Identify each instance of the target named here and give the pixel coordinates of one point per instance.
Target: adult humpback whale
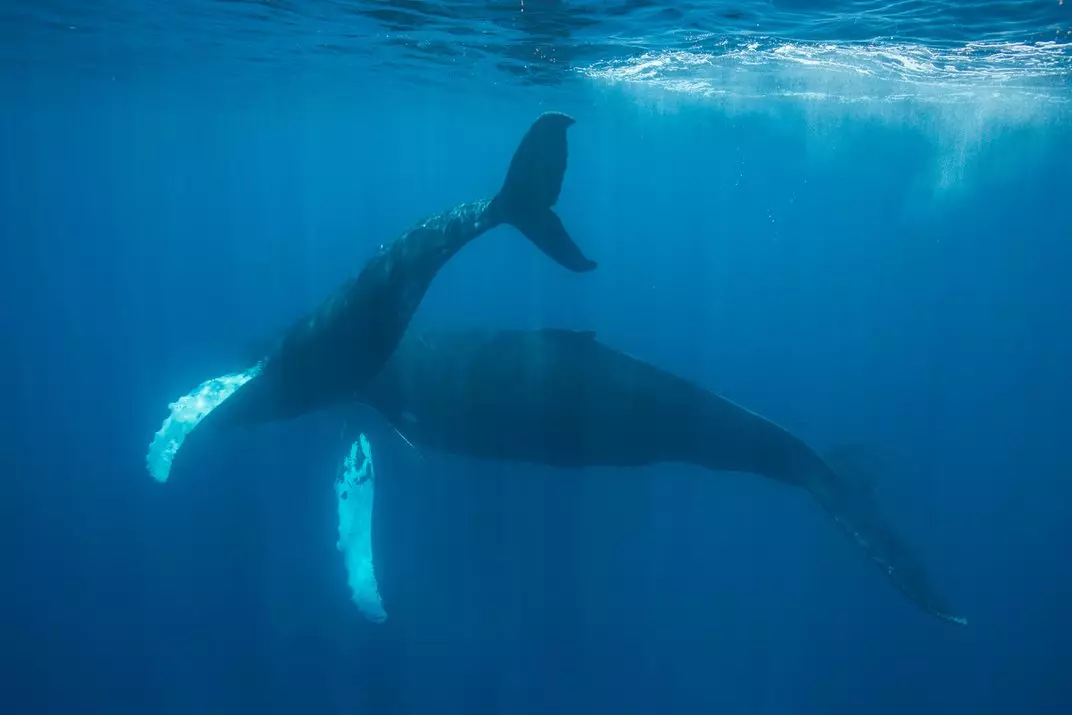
(327, 356)
(562, 398)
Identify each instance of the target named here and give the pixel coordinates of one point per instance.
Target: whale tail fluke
(533, 183)
(854, 507)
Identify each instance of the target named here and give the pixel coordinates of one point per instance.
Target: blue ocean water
(851, 217)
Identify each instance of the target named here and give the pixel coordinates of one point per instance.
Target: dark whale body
(325, 358)
(564, 399)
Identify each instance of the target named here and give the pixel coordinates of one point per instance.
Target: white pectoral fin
(355, 488)
(186, 413)
(355, 492)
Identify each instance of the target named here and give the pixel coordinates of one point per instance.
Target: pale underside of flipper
(354, 489)
(355, 493)
(186, 413)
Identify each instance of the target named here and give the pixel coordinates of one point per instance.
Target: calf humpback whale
(326, 357)
(562, 398)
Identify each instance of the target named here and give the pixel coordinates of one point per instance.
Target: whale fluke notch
(532, 185)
